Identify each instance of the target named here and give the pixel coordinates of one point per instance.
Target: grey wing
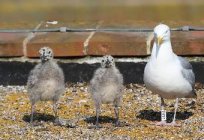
(94, 83)
(33, 76)
(32, 79)
(187, 71)
(119, 77)
(121, 81)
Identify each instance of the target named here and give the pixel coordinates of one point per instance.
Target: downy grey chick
(106, 86)
(45, 81)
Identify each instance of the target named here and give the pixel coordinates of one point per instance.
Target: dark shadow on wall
(16, 73)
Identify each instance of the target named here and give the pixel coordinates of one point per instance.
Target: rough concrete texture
(139, 112)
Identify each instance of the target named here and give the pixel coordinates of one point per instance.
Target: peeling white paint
(86, 42)
(28, 38)
(52, 22)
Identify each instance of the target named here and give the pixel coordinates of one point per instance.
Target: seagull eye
(166, 32)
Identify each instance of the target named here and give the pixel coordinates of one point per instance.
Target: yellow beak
(159, 40)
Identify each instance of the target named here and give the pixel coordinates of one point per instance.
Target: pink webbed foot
(161, 123)
(173, 123)
(164, 123)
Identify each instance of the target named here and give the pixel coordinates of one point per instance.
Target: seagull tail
(192, 94)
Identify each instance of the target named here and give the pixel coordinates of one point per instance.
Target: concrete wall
(25, 14)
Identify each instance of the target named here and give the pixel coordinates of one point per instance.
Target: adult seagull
(167, 74)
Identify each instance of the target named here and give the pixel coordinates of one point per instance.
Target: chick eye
(102, 60)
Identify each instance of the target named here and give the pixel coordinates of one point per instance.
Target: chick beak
(159, 40)
(107, 63)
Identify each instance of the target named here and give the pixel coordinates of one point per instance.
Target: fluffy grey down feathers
(106, 85)
(45, 81)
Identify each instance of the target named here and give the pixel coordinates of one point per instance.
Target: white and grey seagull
(167, 74)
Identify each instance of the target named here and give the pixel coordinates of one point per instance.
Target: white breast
(166, 80)
(109, 93)
(49, 87)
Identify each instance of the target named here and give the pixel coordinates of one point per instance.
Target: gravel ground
(138, 113)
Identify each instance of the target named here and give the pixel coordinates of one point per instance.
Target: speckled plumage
(45, 81)
(106, 85)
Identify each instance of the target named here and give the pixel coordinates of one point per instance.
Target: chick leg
(116, 110)
(32, 112)
(55, 109)
(97, 106)
(97, 115)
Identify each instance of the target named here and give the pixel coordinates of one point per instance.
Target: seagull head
(161, 34)
(107, 61)
(45, 54)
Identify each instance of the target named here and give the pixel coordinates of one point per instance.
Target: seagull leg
(176, 106)
(163, 114)
(173, 123)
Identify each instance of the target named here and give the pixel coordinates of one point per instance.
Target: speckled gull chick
(45, 81)
(167, 74)
(106, 86)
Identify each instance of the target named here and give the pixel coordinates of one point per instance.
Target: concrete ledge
(11, 45)
(118, 44)
(63, 44)
(96, 44)
(16, 73)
